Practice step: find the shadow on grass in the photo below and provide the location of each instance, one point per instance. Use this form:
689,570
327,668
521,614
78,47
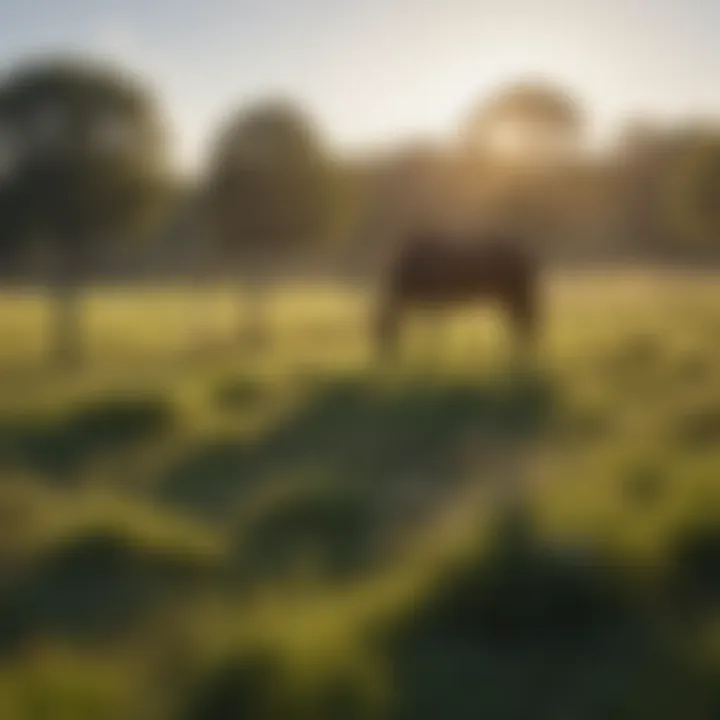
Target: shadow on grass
367,433
57,448
695,560
97,584
239,394
254,687
243,687
699,427
524,630
323,528
534,631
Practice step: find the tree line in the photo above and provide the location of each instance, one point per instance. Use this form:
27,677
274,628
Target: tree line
87,176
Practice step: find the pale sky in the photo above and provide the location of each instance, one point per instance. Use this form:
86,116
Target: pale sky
377,70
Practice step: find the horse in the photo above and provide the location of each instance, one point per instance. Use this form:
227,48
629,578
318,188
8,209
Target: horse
432,270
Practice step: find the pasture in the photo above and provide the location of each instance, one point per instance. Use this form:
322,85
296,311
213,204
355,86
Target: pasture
193,529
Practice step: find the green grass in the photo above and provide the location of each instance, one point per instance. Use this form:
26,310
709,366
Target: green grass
193,529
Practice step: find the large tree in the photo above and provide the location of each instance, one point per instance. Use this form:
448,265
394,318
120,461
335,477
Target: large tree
527,140
691,190
269,187
83,165
527,119
667,190
272,192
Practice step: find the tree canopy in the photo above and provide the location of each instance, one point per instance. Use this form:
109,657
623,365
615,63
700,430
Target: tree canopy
528,115
271,183
84,157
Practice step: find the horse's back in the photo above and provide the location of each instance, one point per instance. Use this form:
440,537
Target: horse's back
436,268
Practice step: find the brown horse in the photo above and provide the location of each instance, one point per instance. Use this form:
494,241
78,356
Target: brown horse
434,271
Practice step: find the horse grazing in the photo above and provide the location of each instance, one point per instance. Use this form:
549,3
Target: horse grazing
434,271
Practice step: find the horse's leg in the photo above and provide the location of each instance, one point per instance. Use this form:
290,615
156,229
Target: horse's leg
525,312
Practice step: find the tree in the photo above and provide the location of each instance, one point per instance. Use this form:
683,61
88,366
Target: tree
635,165
272,190
84,165
527,142
691,190
667,187
268,185
526,120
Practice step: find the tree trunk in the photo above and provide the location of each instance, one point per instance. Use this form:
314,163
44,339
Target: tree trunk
253,326
203,336
67,344
70,263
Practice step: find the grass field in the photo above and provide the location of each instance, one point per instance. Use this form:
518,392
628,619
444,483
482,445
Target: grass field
193,530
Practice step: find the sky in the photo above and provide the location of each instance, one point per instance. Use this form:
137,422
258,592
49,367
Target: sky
375,71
